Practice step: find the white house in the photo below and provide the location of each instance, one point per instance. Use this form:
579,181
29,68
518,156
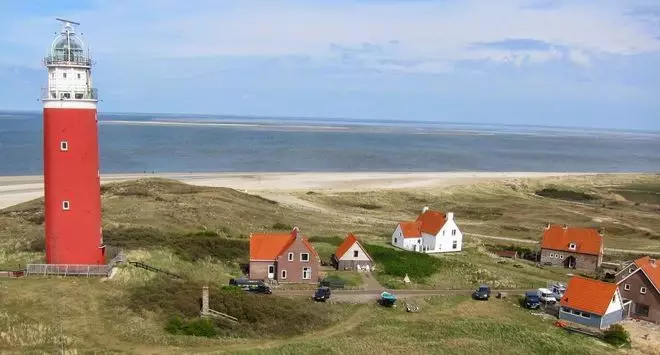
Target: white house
351,255
431,232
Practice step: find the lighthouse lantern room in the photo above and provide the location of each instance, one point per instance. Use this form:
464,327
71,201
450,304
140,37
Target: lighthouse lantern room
71,154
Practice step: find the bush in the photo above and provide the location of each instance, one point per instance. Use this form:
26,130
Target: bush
282,226
191,246
196,327
37,245
617,335
566,195
401,262
258,315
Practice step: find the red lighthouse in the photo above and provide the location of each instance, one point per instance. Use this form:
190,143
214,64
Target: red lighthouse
71,155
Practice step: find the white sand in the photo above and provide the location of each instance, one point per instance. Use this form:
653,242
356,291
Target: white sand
17,189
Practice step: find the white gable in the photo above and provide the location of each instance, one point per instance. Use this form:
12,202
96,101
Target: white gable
356,248
616,304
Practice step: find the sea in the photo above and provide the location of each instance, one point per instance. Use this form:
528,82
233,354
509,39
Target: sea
161,143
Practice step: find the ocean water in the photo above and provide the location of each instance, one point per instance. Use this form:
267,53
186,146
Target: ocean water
194,143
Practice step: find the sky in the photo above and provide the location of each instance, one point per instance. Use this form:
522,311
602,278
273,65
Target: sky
541,62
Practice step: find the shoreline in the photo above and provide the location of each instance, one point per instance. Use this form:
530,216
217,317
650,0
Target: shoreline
18,189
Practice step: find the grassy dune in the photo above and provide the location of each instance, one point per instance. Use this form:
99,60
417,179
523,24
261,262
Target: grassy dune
201,233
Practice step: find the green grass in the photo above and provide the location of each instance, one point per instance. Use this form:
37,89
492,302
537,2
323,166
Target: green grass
567,195
396,262
350,278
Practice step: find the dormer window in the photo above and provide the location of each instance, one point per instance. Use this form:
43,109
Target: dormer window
571,246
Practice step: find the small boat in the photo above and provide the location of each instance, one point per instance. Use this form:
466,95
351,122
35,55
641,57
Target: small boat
387,299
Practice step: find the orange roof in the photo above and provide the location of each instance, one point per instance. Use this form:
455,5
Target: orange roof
587,240
411,229
651,269
345,245
268,246
588,295
432,221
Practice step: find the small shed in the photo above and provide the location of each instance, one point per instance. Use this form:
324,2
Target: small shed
351,255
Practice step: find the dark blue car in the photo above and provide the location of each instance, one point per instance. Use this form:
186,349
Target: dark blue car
532,300
482,293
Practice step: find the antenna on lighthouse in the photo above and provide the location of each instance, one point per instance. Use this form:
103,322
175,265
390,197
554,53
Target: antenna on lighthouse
68,22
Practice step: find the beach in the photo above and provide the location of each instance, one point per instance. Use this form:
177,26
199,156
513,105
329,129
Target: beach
18,189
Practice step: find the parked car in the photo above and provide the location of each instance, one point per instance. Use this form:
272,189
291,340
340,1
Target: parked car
482,293
532,300
546,296
322,294
558,290
256,286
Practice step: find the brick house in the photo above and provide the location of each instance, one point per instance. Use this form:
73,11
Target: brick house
639,283
592,303
284,257
571,247
351,255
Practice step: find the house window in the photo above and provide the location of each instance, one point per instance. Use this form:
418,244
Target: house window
630,270
453,232
283,274
304,256
395,240
307,273
271,269
64,146
66,205
561,257
585,315
454,244
626,287
642,290
641,310
571,246
52,75
443,233
290,257
356,253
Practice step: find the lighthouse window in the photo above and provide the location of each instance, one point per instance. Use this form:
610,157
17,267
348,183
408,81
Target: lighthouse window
64,75
64,146
66,205
78,75
79,95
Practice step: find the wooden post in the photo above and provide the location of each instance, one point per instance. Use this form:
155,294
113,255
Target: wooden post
205,300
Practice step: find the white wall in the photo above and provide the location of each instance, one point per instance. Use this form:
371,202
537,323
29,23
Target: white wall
616,305
76,80
350,252
404,243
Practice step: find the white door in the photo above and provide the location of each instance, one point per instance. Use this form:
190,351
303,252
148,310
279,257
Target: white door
271,272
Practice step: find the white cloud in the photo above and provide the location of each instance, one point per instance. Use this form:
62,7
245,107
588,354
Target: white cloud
434,34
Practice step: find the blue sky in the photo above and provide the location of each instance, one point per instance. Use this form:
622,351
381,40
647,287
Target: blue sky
568,63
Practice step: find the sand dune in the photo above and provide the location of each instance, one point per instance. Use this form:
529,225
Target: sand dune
17,189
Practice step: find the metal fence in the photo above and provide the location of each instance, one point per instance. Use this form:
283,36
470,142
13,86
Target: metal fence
68,269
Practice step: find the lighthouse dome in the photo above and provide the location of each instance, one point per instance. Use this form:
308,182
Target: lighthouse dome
68,47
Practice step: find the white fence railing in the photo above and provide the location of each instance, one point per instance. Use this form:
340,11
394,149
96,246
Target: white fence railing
68,269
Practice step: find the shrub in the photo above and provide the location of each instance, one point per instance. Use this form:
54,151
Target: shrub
258,315
37,245
401,262
617,335
567,195
282,226
195,327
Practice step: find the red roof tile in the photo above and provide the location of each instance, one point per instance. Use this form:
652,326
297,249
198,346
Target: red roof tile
588,295
432,221
587,240
411,229
651,269
268,246
345,245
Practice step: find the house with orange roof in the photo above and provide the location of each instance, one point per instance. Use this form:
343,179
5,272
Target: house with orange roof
431,232
572,247
592,303
284,257
351,255
639,283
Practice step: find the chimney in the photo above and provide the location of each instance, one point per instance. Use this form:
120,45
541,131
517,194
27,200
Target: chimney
205,300
601,231
652,262
426,208
547,226
565,227
450,216
295,232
